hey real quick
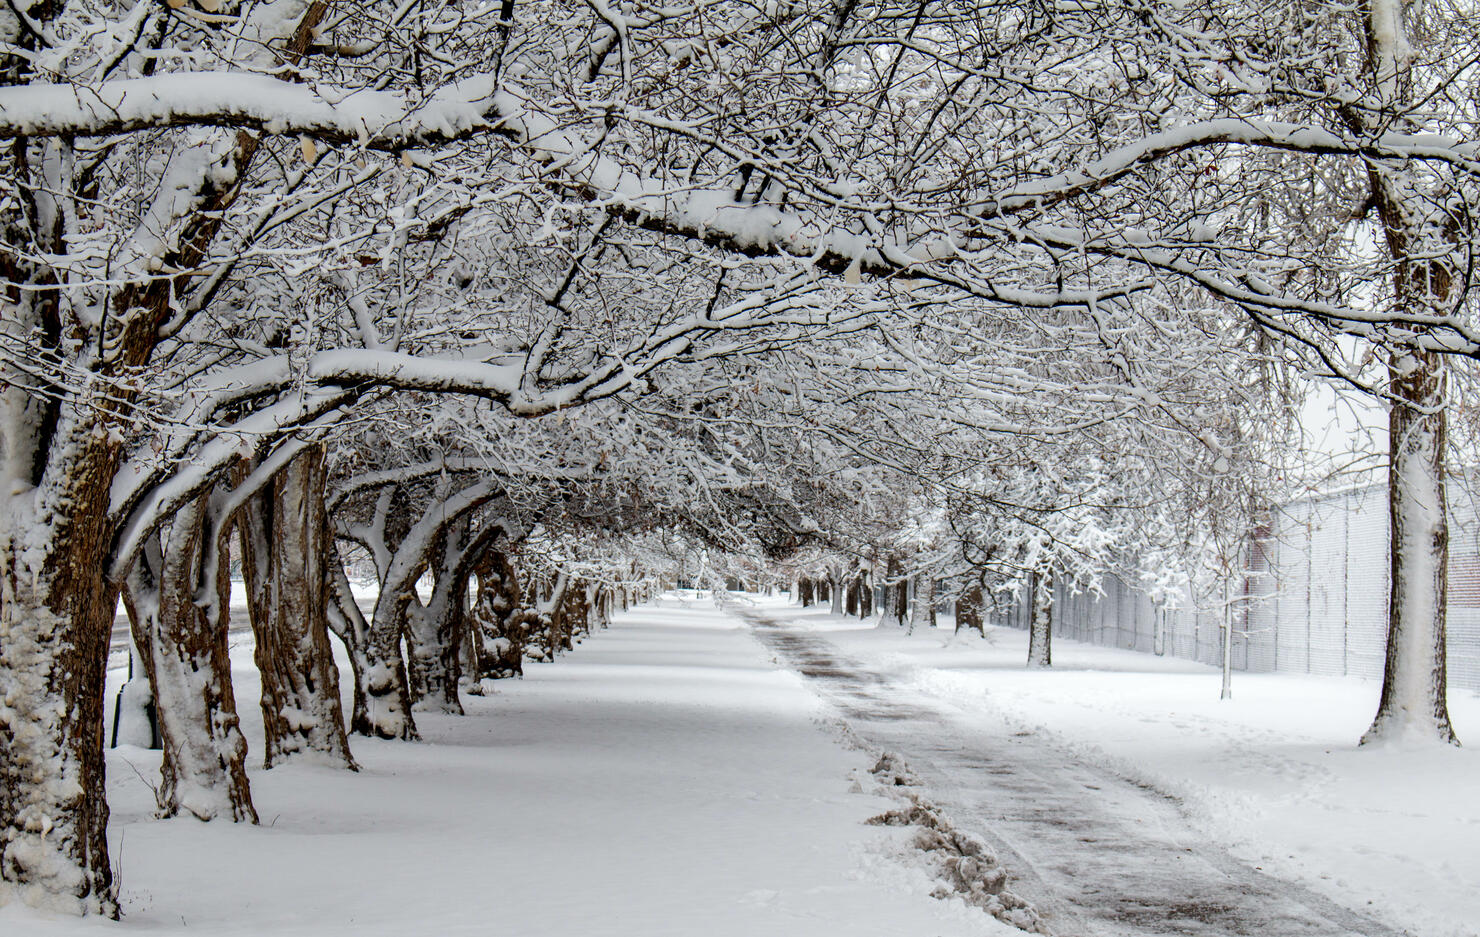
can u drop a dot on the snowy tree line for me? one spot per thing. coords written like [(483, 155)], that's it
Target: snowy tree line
[(517, 295)]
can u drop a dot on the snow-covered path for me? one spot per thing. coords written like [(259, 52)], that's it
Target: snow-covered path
[(665, 778), (1098, 855)]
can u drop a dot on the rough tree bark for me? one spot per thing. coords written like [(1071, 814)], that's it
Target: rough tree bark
[(56, 615), (287, 553), (435, 630), (498, 627), (61, 453), (184, 650)]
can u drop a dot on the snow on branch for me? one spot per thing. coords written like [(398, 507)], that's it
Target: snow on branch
[(140, 498), (398, 120), (391, 120), (405, 473), (405, 564), (1447, 334), (1267, 134)]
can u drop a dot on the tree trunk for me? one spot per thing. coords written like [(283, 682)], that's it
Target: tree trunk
[(896, 593), (384, 687), (601, 606), (286, 550), (382, 706), (435, 630), (922, 614), (184, 646), (850, 602), (1040, 627), (571, 614), (440, 532), (499, 627), (865, 595), (970, 608), (383, 695), (548, 632), (135, 716), (348, 623), (1427, 245), (56, 616), (434, 648), (835, 591), (1414, 684)]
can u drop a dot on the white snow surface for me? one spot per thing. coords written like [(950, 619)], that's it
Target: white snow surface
[(1274, 774), (665, 778)]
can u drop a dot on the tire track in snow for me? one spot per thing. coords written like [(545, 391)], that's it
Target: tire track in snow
[(1098, 855)]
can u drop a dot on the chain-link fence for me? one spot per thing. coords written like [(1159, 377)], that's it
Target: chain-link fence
[(1313, 598)]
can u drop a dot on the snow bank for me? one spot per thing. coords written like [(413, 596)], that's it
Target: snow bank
[(1275, 773)]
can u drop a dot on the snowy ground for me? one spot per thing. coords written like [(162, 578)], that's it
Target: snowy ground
[(1274, 774), (666, 778)]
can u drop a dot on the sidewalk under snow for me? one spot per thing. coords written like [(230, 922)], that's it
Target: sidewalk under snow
[(665, 778)]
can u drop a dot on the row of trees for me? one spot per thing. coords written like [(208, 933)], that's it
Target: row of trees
[(443, 282)]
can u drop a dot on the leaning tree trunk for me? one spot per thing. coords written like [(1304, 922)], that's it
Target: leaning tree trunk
[(384, 686), (184, 644), (286, 553), (1040, 626), (383, 691)]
